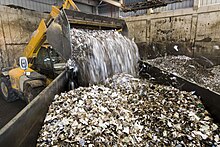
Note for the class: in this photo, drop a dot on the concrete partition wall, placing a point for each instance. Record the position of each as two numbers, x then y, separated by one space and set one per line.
195 31
16 28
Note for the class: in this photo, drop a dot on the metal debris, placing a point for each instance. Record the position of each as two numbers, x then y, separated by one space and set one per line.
127 111
102 53
188 68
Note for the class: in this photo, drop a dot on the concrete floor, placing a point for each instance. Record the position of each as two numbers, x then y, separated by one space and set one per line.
9 110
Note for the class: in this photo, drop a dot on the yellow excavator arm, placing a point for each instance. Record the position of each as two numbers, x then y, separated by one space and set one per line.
68 3
39 36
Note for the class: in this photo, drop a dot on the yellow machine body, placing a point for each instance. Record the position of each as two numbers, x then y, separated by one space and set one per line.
15 75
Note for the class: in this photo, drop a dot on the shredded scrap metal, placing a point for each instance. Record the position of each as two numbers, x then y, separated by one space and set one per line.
126 111
188 68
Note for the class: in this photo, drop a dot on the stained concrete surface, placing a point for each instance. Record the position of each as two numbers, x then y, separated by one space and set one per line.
9 110
193 32
16 29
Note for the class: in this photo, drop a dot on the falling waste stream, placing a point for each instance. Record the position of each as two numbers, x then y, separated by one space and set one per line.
102 53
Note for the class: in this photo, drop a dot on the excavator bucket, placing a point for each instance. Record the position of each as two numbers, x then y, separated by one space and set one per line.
58 33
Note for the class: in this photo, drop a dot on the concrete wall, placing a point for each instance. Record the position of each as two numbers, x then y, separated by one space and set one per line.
16 27
196 31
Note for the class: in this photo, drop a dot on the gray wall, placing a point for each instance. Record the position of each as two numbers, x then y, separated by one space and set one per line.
195 31
208 2
38 5
45 5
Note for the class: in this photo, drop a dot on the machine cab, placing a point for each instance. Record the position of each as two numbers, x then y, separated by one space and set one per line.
48 62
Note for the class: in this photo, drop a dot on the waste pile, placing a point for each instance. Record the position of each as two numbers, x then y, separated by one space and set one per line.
127 111
216 70
102 53
188 68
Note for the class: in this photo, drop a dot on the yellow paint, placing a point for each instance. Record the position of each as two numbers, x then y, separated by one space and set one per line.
48 81
36 41
54 12
120 30
15 75
69 3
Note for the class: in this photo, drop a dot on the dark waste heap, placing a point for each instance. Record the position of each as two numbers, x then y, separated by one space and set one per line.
188 68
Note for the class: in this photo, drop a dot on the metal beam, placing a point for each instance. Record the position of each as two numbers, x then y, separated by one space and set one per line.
88 2
140 5
149 4
114 3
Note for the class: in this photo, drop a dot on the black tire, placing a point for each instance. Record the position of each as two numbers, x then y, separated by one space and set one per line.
6 90
30 93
